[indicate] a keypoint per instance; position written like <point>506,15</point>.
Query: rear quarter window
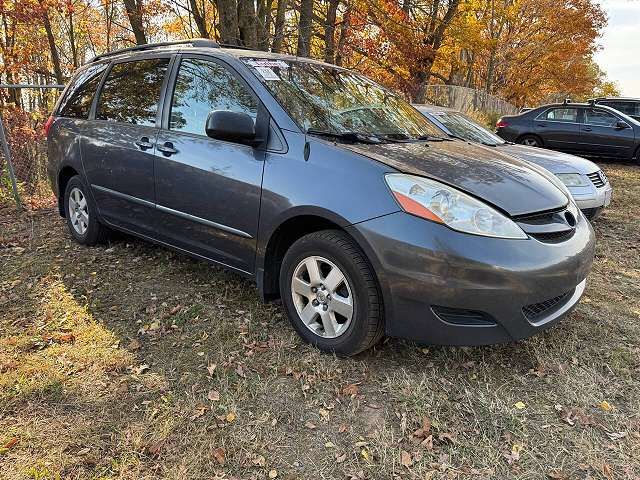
<point>78,99</point>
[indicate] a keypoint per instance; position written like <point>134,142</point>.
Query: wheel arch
<point>284,234</point>
<point>65,174</point>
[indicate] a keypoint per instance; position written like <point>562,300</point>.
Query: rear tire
<point>337,306</point>
<point>530,141</point>
<point>81,214</point>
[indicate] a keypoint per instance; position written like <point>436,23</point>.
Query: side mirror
<point>230,126</point>
<point>620,125</point>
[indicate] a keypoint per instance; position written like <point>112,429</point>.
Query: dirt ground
<point>129,361</point>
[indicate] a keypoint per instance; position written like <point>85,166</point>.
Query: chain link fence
<point>477,103</point>
<point>24,109</point>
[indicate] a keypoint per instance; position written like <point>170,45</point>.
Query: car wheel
<point>530,141</point>
<point>330,293</point>
<point>80,212</point>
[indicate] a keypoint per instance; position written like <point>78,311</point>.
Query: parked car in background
<point>628,106</point>
<point>580,128</point>
<point>587,183</point>
<point>328,190</point>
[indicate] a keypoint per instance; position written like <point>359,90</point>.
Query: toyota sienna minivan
<point>328,190</point>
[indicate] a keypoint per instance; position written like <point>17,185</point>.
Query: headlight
<point>441,203</point>
<point>572,179</point>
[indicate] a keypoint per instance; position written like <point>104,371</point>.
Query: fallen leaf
<point>213,395</point>
<point>324,413</point>
<point>218,454</point>
<point>616,435</point>
<point>341,458</point>
<point>154,448</point>
<point>259,461</point>
<point>405,459</point>
<point>366,455</point>
<point>134,345</point>
<point>198,412</point>
<point>514,455</point>
<point>273,473</point>
<point>606,406</point>
<point>520,405</point>
<point>10,444</point>
<point>557,475</point>
<point>211,369</point>
<point>310,425</point>
<point>141,369</point>
<point>175,310</point>
<point>83,451</point>
<point>351,390</point>
<point>231,417</point>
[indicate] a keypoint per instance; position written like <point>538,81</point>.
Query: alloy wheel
<point>322,297</point>
<point>78,211</point>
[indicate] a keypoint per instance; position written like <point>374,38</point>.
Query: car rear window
<point>78,99</point>
<point>131,92</point>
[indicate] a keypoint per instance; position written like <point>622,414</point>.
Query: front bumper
<point>590,197</point>
<point>424,268</point>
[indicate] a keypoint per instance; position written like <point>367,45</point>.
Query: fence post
<point>7,157</point>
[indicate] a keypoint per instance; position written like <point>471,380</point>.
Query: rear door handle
<point>587,129</point>
<point>167,149</point>
<point>144,143</point>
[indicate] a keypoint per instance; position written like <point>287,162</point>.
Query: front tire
<point>329,291</point>
<point>530,141</point>
<point>81,214</point>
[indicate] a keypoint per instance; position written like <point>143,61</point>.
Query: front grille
<point>598,178</point>
<point>553,237</point>
<point>535,311</point>
<point>460,316</point>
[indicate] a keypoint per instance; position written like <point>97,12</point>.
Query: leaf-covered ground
<point>129,361</point>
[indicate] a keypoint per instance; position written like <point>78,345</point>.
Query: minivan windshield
<point>463,127</point>
<point>326,100</point>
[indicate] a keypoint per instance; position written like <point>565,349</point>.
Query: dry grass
<point>129,361</point>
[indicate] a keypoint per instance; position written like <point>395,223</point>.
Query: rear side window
<point>599,117</point>
<point>569,115</point>
<point>77,101</point>
<point>131,92</point>
<point>203,86</point>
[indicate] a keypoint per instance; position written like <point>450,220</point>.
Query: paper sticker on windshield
<point>267,73</point>
<point>268,63</point>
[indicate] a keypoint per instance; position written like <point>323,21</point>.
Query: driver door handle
<point>587,129</point>
<point>167,149</point>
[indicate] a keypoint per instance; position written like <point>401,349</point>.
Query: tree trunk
<point>228,26</point>
<point>278,36</point>
<point>264,23</point>
<point>198,17</point>
<point>55,57</point>
<point>72,41</point>
<point>330,31</point>
<point>247,23</point>
<point>344,31</point>
<point>305,27</point>
<point>134,12</point>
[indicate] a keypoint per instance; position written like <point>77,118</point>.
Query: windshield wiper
<point>348,136</point>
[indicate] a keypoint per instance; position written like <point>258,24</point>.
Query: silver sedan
<point>587,183</point>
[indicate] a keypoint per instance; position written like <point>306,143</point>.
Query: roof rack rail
<point>195,42</point>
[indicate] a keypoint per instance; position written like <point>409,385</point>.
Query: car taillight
<point>501,123</point>
<point>47,125</point>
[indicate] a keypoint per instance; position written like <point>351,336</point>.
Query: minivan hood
<point>506,182</point>
<point>555,162</point>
